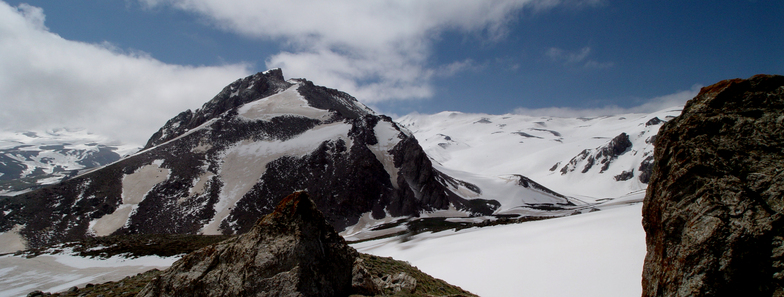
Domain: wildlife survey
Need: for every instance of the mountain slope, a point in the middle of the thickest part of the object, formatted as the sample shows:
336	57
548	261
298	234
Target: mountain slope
218	169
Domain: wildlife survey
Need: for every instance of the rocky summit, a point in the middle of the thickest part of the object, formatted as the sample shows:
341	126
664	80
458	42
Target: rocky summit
713	212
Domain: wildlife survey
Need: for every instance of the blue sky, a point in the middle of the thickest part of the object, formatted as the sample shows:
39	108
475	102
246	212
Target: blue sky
562	57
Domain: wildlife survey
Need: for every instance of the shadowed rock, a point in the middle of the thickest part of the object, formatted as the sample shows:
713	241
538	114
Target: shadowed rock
713	208
290	252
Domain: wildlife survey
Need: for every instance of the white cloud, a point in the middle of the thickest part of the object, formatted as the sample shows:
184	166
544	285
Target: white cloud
48	82
575	58
674	100
34	15
374	50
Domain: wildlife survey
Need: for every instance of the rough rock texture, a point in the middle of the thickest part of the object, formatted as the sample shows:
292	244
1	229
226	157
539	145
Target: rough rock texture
290	252
713	210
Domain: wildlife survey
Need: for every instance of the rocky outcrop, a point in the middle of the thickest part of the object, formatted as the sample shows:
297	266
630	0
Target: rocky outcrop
531	184
714	208
603	155
290	252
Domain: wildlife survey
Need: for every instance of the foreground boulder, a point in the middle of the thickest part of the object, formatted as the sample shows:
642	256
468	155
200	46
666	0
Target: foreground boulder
290	252
713	210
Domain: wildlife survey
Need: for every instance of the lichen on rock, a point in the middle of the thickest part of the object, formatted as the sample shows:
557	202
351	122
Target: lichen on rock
714	208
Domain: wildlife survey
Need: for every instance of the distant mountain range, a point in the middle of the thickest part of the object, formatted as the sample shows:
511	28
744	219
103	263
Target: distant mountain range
32	159
589	158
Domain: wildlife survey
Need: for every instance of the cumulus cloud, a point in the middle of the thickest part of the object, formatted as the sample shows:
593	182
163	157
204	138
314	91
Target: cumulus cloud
674	100
47	82
374	50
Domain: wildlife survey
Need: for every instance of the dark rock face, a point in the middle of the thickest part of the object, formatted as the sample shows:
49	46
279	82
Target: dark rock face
290	252
646	169
529	183
713	212
603	155
241	91
653	121
626	175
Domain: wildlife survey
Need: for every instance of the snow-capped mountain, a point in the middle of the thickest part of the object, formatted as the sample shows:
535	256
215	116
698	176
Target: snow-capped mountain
31	159
589	158
218	169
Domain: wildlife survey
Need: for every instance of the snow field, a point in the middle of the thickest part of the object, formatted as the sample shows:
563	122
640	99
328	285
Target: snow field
57	273
498	145
387	137
595	254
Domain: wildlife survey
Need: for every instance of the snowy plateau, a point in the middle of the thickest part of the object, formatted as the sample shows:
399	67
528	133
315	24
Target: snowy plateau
586	175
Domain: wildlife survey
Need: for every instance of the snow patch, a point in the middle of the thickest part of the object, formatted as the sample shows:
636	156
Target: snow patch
57	273
135	187
11	241
245	163
387	137
203	147
288	102
198	187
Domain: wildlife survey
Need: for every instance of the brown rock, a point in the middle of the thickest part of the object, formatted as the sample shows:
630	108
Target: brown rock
713	209
290	252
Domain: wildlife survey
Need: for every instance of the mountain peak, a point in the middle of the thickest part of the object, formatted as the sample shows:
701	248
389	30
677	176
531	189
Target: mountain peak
274	72
257	87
